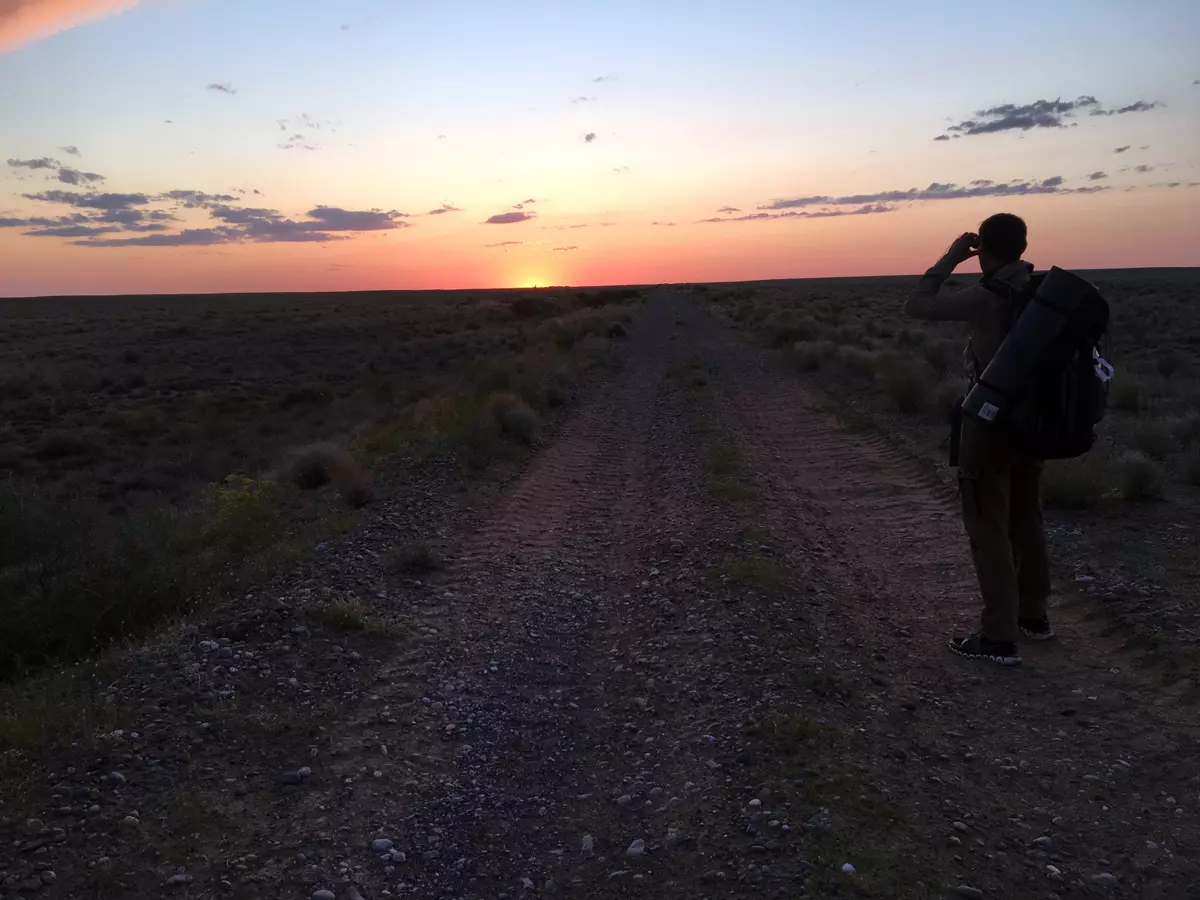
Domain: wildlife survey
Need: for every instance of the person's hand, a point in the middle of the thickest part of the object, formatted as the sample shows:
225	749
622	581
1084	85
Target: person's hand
964	247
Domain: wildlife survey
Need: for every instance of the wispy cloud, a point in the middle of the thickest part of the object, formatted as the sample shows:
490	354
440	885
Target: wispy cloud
25	21
443	209
76	177
91	200
70	150
604	78
1097	176
664	224
197	199
1121	149
584	100
1143	169
728	210
43	162
589	137
565	249
1038	114
333	218
223	87
866	210
296	142
505	244
510	218
935	191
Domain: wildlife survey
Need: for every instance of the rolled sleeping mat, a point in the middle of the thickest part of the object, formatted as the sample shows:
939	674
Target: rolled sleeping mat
1057	299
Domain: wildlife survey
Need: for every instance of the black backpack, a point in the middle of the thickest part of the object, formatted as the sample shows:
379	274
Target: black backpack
1065	397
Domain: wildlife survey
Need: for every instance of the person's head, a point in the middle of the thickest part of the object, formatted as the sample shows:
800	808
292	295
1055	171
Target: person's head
1002	240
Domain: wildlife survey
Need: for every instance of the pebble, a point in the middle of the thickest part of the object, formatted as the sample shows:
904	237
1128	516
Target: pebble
848	869
637	848
755	804
960	826
179	879
116	778
304	771
1058	821
588	844
624	800
323	895
1042	843
1105	879
291	778
672	836
381	845
131	822
965	890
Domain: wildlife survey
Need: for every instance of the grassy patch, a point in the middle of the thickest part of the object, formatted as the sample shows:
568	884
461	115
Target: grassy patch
906	387
1075	484
758	572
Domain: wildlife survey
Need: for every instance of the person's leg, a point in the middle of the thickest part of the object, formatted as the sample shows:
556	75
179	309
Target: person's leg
1027	532
984	482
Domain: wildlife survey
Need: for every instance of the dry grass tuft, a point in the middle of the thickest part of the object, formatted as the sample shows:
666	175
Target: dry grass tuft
317	465
1142	479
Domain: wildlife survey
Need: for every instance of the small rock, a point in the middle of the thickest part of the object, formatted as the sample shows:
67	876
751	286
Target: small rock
1042	843
960	826
1106	879
304	771
179	879
291	778
965	890
34	826
637	848
672	836
751	829
848	869
624	800
116	778
381	845
131	822
588	844
323	895
1150	845
1058	821
756	804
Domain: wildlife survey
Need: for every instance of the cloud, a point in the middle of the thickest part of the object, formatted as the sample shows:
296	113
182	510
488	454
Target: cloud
43	162
726	210
524	203
1143	169
589	137
867	210
620	170
190	237
197	199
505	244
510	218
70	150
296	142
25	21
942	137
1121	149
664	224
74	176
935	191
73	231
443	209
604	78
222	88
1097	176
1039	114
584	100
333	218
91	200
1139	106
565	249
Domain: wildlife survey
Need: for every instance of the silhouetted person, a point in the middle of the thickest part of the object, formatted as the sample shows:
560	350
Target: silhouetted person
999	488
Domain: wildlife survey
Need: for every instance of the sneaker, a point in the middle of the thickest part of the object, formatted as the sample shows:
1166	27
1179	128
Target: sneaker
976	646
1036	629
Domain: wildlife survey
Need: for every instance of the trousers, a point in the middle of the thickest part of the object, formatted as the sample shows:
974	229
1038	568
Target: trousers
1002	512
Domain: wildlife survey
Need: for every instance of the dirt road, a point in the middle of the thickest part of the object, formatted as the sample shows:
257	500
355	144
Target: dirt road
696	650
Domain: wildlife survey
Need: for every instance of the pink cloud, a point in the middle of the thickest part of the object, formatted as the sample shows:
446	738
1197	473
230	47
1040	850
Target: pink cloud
25	21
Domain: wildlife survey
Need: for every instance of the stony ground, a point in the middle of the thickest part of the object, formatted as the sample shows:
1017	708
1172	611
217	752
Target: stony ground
696	650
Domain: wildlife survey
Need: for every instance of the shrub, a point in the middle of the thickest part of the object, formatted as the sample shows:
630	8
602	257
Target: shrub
1142	478
317	465
911	337
906	386
809	356
856	361
617	330
516	419
1191	467
1186	429
942	357
242	514
340	615
57	445
1128	394
1154	439
1172	362
1074	483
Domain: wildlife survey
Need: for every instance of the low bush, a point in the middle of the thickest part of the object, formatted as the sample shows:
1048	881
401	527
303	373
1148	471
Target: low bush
906	387
856	361
809	356
1142	479
1191	467
1128	393
942	357
1075	484
1153	438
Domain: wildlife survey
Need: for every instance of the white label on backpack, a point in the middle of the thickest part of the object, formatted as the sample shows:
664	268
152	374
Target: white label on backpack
987	412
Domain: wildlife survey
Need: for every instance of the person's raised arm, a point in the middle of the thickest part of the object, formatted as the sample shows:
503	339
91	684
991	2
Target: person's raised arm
929	301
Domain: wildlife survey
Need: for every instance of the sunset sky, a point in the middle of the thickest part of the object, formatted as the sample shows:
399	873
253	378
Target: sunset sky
245	145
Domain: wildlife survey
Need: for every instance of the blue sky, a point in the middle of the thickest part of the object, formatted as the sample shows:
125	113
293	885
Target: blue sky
693	107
